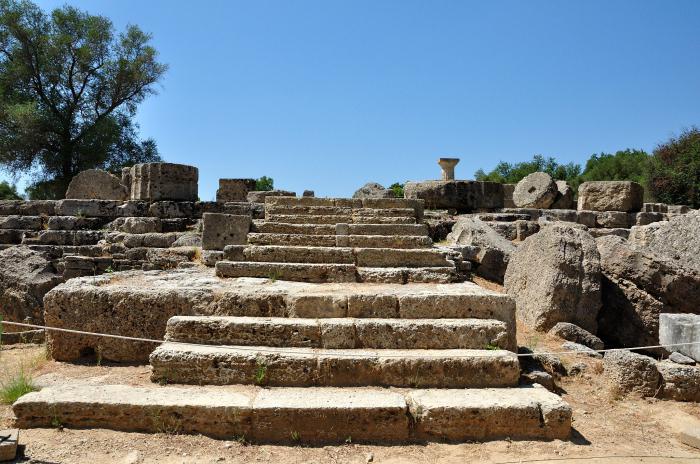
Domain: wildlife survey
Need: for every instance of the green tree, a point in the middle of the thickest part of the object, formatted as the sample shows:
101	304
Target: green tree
623	165
674	170
69	89
264	184
397	188
8	191
507	173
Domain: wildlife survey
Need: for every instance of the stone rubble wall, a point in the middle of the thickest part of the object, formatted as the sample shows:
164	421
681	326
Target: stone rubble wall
89	237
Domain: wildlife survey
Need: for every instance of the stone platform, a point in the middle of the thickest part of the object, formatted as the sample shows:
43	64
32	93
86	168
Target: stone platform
139	304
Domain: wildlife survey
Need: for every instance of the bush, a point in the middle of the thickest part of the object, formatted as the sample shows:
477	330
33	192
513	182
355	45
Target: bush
397	189
674	170
623	165
507	173
264	184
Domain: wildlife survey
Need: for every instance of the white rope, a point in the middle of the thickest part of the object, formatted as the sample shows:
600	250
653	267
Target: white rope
328	352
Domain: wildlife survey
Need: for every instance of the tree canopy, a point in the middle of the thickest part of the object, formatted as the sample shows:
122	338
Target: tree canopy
674	170
264	184
623	165
8	191
69	89
508	173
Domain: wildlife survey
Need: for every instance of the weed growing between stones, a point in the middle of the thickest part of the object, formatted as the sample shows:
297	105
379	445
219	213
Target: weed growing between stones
16	387
296	438
170	425
489	346
273	276
260	371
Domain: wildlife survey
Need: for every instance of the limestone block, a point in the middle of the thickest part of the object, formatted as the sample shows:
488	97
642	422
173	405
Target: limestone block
164	181
680	383
234	189
28	207
260	196
610	196
373	190
508	190
172	209
565	196
630	372
224	229
681	328
21	222
74	223
135	225
576	334
536	190
613	219
96	184
555	277
88	208
464	196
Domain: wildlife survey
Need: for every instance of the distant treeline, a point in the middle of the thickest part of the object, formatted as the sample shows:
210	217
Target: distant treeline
670	174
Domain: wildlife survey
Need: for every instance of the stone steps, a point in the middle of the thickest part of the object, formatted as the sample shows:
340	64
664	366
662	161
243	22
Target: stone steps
306	367
365	257
302	210
340	229
339	219
360	241
302	415
309	272
342	332
406	275
463	300
332	272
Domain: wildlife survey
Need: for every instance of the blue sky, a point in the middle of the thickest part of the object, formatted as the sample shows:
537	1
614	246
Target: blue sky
327	95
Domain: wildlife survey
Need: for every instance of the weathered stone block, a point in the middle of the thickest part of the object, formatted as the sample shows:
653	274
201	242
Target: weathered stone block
681	328
21	222
224	229
259	196
630	372
610	196
680	383
88	208
463	195
96	184
164	181
234	189
537	190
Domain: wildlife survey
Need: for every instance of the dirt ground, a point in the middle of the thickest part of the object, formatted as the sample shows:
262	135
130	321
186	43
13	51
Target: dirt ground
608	429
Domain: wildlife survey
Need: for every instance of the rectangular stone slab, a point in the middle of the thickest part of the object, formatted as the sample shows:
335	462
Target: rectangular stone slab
311	272
342	332
139	409
305	367
292	239
459	415
329	415
304	415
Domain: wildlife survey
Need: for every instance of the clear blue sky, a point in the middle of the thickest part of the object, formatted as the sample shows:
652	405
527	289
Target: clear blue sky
327	95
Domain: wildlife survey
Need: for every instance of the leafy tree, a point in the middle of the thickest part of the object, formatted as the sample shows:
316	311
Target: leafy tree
508	173
264	184
69	89
623	165
674	170
8	191
397	188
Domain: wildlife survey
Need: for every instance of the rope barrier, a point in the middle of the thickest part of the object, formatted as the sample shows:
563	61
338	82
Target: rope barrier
329	352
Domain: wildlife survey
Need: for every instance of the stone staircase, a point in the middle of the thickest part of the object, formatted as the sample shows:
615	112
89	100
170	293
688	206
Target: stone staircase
314	363
341	240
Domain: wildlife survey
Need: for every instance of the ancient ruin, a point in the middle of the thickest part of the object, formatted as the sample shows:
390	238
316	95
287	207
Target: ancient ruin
269	310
